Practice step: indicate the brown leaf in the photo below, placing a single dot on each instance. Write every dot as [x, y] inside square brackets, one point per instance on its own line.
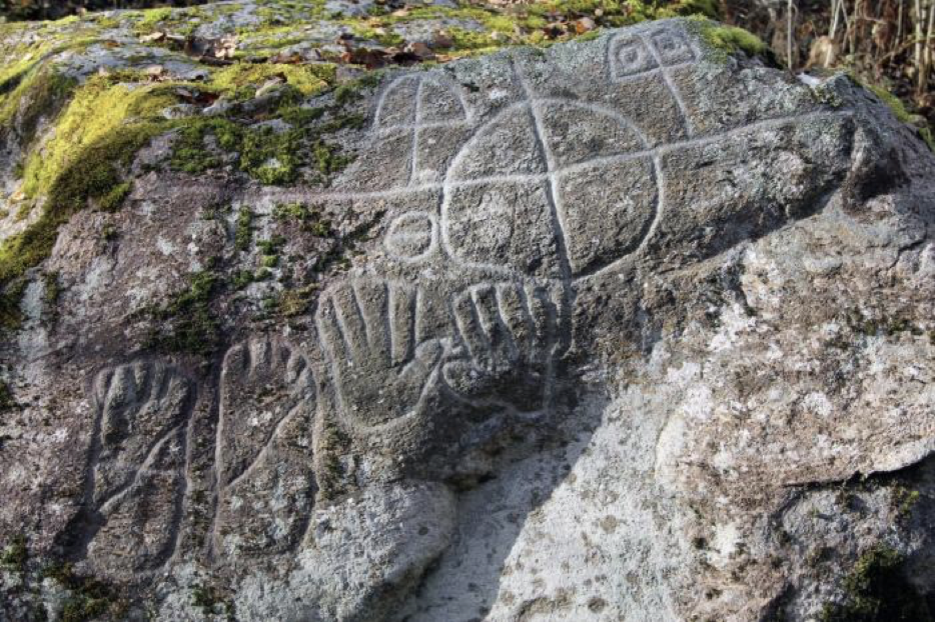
[585, 24]
[419, 49]
[371, 59]
[441, 39]
[287, 59]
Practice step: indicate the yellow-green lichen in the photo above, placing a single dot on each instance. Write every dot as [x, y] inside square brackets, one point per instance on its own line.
[241, 80]
[104, 107]
[725, 40]
[95, 141]
[39, 94]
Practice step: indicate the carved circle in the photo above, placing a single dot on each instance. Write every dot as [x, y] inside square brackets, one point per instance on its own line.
[411, 236]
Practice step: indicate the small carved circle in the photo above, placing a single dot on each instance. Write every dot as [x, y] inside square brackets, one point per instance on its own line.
[411, 235]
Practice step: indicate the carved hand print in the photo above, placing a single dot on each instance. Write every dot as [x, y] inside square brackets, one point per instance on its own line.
[508, 334]
[380, 374]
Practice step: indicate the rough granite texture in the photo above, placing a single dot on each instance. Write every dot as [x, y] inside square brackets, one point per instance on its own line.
[623, 329]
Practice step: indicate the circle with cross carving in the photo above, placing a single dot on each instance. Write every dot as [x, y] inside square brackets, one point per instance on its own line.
[550, 188]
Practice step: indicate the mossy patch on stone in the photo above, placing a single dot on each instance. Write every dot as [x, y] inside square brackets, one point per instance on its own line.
[89, 598]
[726, 40]
[188, 324]
[876, 589]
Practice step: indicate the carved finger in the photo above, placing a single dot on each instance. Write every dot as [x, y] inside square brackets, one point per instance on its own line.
[515, 314]
[470, 329]
[332, 334]
[544, 313]
[503, 351]
[402, 314]
[350, 319]
[418, 372]
[372, 301]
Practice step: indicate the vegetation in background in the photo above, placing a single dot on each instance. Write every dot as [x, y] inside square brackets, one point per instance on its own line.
[43, 9]
[886, 43]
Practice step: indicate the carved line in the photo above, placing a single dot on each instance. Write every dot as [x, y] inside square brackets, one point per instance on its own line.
[102, 387]
[464, 115]
[393, 129]
[600, 110]
[454, 89]
[267, 447]
[432, 236]
[501, 322]
[338, 382]
[358, 298]
[659, 150]
[416, 131]
[381, 101]
[667, 78]
[649, 73]
[300, 380]
[106, 506]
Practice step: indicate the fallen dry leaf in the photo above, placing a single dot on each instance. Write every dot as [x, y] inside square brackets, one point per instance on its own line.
[585, 24]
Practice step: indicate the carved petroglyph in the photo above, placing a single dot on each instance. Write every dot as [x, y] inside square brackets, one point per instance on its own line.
[509, 336]
[629, 56]
[381, 371]
[426, 109]
[266, 485]
[419, 101]
[412, 236]
[136, 479]
[635, 56]
[489, 344]
[523, 211]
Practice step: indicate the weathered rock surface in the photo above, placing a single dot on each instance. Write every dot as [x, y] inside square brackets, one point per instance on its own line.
[627, 328]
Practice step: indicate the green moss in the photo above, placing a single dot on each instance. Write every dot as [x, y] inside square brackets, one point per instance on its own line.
[894, 103]
[899, 110]
[192, 326]
[51, 291]
[243, 232]
[904, 500]
[384, 36]
[272, 246]
[152, 18]
[328, 159]
[310, 218]
[15, 554]
[876, 590]
[89, 598]
[295, 302]
[41, 93]
[241, 80]
[271, 156]
[190, 153]
[242, 279]
[114, 198]
[7, 401]
[726, 40]
[212, 602]
[109, 233]
[93, 172]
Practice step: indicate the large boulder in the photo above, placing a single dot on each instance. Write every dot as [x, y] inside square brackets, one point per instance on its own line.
[635, 327]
